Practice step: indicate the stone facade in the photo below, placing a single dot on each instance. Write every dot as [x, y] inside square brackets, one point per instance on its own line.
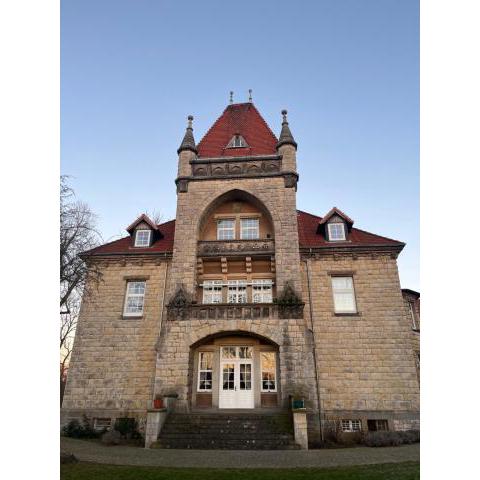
[344, 366]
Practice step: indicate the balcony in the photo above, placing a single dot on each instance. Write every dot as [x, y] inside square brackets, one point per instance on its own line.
[215, 248]
[238, 311]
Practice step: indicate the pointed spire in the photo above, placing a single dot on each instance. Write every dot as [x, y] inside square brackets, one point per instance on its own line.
[188, 142]
[286, 137]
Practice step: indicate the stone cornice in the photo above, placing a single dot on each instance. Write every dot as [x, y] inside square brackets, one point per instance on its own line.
[250, 158]
[352, 250]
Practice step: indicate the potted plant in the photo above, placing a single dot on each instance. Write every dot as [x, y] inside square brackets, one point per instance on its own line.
[158, 402]
[298, 399]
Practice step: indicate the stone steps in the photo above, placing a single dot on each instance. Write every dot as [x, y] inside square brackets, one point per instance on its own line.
[234, 431]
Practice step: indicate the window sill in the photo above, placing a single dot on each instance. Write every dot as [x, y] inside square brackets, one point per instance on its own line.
[348, 314]
[132, 317]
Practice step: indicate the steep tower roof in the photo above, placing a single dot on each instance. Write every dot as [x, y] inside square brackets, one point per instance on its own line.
[238, 119]
[188, 142]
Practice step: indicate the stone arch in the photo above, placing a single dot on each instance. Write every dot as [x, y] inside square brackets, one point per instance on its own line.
[237, 194]
[234, 327]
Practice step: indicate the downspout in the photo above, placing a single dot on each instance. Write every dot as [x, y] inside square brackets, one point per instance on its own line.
[160, 326]
[319, 400]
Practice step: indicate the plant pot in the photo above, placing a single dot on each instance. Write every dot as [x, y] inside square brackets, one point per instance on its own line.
[158, 403]
[298, 403]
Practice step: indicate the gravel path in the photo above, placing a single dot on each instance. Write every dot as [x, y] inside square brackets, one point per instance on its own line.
[123, 455]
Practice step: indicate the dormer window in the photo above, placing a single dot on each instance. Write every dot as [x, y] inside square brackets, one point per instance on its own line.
[336, 232]
[142, 238]
[237, 141]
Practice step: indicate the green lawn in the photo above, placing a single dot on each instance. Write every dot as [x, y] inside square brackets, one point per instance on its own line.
[387, 471]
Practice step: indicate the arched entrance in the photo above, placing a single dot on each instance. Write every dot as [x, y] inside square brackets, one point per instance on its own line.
[234, 370]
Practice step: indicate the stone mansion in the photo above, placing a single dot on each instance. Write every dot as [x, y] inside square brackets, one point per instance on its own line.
[244, 304]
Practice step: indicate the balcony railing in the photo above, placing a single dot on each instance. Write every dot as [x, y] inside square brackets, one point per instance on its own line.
[240, 311]
[235, 247]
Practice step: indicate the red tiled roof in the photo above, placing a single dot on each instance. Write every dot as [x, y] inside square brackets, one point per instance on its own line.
[242, 119]
[124, 245]
[307, 236]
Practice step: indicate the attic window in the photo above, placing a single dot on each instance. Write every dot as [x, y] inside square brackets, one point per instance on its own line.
[142, 238]
[237, 141]
[336, 232]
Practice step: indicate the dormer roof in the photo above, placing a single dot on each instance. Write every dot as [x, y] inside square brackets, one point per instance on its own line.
[335, 211]
[238, 119]
[143, 218]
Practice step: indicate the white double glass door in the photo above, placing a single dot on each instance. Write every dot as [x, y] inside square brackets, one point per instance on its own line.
[236, 377]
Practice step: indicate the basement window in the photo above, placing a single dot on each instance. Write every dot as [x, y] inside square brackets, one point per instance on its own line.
[100, 424]
[351, 425]
[377, 425]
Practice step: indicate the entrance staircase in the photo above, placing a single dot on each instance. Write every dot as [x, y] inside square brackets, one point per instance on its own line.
[232, 431]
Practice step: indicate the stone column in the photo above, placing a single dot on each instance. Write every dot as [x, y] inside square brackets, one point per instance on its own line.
[300, 427]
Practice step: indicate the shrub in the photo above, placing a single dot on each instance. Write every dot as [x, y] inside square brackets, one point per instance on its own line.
[111, 437]
[391, 439]
[75, 429]
[128, 428]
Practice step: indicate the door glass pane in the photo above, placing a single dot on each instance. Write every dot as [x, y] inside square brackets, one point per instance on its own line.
[245, 352]
[228, 352]
[228, 376]
[245, 376]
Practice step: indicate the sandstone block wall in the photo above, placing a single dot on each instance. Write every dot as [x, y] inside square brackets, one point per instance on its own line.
[365, 363]
[112, 368]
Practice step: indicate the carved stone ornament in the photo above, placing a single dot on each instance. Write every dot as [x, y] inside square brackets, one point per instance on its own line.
[289, 303]
[179, 304]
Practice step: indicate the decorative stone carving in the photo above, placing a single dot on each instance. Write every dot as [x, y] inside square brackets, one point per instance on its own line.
[179, 303]
[291, 180]
[235, 247]
[289, 303]
[228, 311]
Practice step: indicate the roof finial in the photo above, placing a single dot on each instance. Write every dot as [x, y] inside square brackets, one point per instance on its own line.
[286, 137]
[231, 97]
[250, 95]
[190, 120]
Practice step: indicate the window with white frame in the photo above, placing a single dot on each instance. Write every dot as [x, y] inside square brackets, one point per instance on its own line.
[205, 368]
[336, 232]
[212, 291]
[226, 229]
[343, 295]
[412, 315]
[269, 370]
[249, 228]
[237, 291]
[134, 299]
[262, 291]
[351, 425]
[142, 238]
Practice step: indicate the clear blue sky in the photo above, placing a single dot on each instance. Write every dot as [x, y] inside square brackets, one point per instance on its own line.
[346, 70]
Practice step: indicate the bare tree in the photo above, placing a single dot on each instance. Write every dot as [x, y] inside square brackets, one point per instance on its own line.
[77, 279]
[77, 235]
